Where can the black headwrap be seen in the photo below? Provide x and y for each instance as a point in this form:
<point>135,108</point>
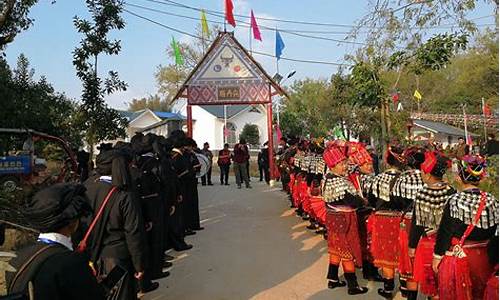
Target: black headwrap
<point>116,164</point>
<point>414,157</point>
<point>56,206</point>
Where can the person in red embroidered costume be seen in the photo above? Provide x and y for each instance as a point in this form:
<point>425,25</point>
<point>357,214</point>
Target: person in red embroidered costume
<point>342,200</point>
<point>384,224</point>
<point>469,220</point>
<point>361,176</point>
<point>428,209</point>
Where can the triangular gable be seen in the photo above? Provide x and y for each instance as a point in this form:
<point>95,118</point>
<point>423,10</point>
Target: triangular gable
<point>228,74</point>
<point>226,61</point>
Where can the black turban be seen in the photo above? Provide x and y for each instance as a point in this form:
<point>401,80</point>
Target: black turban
<point>115,163</point>
<point>57,206</point>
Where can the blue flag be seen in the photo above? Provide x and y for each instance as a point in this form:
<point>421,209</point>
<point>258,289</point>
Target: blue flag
<point>279,45</point>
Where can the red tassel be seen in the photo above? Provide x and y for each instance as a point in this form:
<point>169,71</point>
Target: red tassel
<point>405,266</point>
<point>454,279</point>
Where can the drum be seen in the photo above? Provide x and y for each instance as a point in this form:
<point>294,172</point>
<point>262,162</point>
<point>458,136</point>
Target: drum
<point>205,165</point>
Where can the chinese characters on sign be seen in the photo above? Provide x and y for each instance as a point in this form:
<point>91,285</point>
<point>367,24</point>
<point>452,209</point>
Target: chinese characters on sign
<point>228,93</point>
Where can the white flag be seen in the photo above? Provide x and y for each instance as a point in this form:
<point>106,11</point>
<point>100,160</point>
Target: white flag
<point>400,106</point>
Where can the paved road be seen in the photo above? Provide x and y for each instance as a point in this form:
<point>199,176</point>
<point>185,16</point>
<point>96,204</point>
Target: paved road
<point>253,247</point>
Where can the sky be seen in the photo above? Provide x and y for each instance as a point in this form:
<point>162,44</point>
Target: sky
<point>49,43</point>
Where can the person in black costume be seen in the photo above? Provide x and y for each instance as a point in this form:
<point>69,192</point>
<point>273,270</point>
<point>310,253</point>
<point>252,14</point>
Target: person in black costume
<point>118,238</point>
<point>56,273</point>
<point>181,167</point>
<point>193,210</point>
<point>148,186</point>
<point>82,158</point>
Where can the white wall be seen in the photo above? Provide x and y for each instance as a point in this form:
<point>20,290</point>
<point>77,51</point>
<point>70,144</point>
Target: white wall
<point>204,127</point>
<point>259,119</point>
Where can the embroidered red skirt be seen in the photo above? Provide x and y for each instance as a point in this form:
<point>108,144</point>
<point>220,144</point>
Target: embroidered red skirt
<point>296,190</point>
<point>318,209</point>
<point>422,270</point>
<point>291,183</point>
<point>491,291</point>
<point>465,278</point>
<point>302,192</point>
<point>384,229</point>
<point>306,201</point>
<point>343,236</point>
<point>364,235</point>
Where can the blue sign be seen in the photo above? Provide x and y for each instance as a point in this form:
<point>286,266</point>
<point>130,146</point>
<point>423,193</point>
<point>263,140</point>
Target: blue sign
<point>15,164</point>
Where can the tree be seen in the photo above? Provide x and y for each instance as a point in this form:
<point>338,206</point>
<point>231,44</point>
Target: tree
<point>250,133</point>
<point>153,102</point>
<point>99,121</point>
<point>406,23</point>
<point>54,113</point>
<point>14,19</point>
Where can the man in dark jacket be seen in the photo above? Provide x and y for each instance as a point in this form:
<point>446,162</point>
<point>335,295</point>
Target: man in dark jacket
<point>241,157</point>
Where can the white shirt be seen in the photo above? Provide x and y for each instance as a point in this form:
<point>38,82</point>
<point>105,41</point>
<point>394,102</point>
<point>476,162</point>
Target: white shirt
<point>57,238</point>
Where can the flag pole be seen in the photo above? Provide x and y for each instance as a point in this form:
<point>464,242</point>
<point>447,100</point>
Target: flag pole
<point>225,125</point>
<point>250,38</point>
<point>465,126</point>
<point>484,121</point>
<point>225,12</point>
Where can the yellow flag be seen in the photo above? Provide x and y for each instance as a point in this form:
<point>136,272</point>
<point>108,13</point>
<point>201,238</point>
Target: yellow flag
<point>204,25</point>
<point>417,95</point>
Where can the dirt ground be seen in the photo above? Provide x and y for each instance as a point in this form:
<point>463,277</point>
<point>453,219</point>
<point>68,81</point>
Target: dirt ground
<point>253,247</point>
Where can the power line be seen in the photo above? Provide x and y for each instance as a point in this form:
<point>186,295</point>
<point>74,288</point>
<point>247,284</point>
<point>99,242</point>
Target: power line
<point>222,23</point>
<point>221,14</point>
<point>261,26</point>
<point>253,52</point>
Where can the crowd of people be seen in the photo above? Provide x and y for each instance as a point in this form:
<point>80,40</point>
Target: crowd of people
<point>441,239</point>
<point>107,238</point>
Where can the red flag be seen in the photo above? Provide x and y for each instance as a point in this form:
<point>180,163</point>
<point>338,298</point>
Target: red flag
<point>255,28</point>
<point>469,140</point>
<point>486,110</point>
<point>395,98</point>
<point>278,133</point>
<point>229,13</point>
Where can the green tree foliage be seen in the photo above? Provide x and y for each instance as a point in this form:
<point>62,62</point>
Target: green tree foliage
<point>153,102</point>
<point>14,19</point>
<point>408,22</point>
<point>469,76</point>
<point>28,103</point>
<point>250,133</point>
<point>99,121</point>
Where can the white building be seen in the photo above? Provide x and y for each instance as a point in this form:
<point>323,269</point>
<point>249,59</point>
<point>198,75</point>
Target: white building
<point>157,122</point>
<point>208,123</point>
<point>441,133</point>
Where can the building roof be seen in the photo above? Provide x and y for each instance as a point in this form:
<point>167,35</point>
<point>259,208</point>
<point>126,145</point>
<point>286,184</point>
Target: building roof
<point>218,110</point>
<point>129,115</point>
<point>163,115</point>
<point>437,127</point>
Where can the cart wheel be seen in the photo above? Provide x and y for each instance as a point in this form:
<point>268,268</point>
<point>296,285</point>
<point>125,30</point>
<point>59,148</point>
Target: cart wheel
<point>9,183</point>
